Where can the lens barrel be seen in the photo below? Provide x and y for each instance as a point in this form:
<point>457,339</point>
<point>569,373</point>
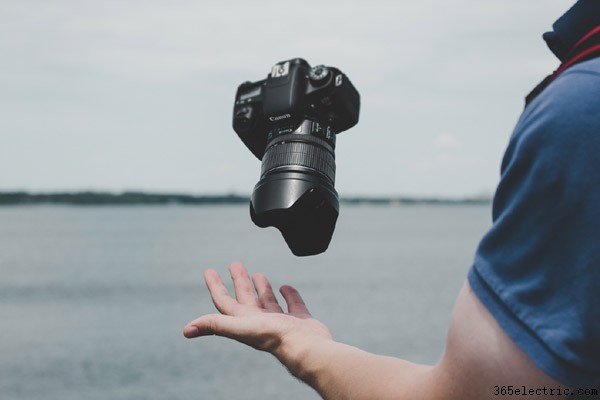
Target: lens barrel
<point>296,191</point>
<point>301,149</point>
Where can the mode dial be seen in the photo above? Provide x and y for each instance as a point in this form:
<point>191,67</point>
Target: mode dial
<point>318,73</point>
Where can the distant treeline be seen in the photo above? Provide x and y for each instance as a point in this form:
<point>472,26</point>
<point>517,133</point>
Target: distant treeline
<point>415,201</point>
<point>141,198</point>
<point>101,198</point>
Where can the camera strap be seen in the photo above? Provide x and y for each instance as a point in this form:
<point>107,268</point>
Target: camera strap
<point>586,49</point>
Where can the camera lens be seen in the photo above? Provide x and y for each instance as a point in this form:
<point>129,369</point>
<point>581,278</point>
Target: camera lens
<point>296,191</point>
<point>301,151</point>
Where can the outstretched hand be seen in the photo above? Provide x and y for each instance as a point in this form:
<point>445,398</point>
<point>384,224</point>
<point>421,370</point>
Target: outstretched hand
<point>255,318</point>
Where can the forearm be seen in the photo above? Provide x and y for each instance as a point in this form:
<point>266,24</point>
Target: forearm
<point>339,371</point>
<point>479,355</point>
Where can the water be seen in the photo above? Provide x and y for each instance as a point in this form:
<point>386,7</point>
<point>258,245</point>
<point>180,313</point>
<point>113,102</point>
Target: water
<point>93,299</point>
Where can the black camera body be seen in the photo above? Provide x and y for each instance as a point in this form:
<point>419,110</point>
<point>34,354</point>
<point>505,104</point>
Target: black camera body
<point>289,121</point>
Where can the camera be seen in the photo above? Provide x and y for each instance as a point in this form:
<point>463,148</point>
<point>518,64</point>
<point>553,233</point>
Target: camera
<point>290,121</point>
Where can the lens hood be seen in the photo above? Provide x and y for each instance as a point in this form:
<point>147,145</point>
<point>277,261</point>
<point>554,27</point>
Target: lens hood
<point>303,207</point>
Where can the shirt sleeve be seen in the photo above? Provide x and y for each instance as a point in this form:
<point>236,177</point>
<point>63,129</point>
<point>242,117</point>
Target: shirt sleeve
<point>537,270</point>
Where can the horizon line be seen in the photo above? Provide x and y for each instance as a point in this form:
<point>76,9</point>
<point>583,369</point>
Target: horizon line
<point>92,197</point>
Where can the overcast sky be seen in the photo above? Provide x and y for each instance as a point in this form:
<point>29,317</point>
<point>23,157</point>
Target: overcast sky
<point>137,95</point>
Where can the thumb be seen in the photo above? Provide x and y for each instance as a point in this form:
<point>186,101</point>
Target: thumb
<point>217,324</point>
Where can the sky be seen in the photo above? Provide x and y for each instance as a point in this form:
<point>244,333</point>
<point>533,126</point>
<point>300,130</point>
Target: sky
<point>119,95</point>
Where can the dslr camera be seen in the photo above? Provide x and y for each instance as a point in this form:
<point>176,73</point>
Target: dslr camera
<point>290,121</point>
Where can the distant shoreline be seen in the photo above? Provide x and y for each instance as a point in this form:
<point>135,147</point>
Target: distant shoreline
<point>146,198</point>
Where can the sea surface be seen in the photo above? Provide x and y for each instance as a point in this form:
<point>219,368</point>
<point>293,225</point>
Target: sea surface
<point>93,299</point>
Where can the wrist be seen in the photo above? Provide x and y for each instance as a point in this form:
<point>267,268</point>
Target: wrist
<point>299,354</point>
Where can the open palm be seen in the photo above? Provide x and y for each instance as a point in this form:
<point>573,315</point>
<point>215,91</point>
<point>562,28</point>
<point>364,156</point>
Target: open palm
<point>254,317</point>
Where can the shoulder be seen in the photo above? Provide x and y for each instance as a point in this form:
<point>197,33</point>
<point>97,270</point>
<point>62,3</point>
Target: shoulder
<point>559,131</point>
<point>570,105</point>
<point>576,89</point>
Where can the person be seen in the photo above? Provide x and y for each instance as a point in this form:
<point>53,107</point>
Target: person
<point>527,320</point>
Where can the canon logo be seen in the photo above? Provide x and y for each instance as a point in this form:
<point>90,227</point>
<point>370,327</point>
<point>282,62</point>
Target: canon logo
<point>279,117</point>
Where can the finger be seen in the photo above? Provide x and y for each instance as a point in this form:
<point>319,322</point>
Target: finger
<point>219,294</point>
<point>266,297</point>
<point>294,301</point>
<point>244,292</point>
<point>217,324</point>
<point>245,330</point>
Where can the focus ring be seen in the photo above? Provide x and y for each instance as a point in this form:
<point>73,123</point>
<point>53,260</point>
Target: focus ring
<point>300,150</point>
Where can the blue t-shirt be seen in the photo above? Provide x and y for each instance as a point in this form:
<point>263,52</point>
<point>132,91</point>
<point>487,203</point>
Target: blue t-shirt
<point>538,268</point>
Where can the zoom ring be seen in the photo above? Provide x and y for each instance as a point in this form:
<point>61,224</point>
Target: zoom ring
<point>300,150</point>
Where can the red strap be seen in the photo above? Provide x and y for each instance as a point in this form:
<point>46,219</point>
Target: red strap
<point>578,57</point>
<point>586,37</point>
<point>586,48</point>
